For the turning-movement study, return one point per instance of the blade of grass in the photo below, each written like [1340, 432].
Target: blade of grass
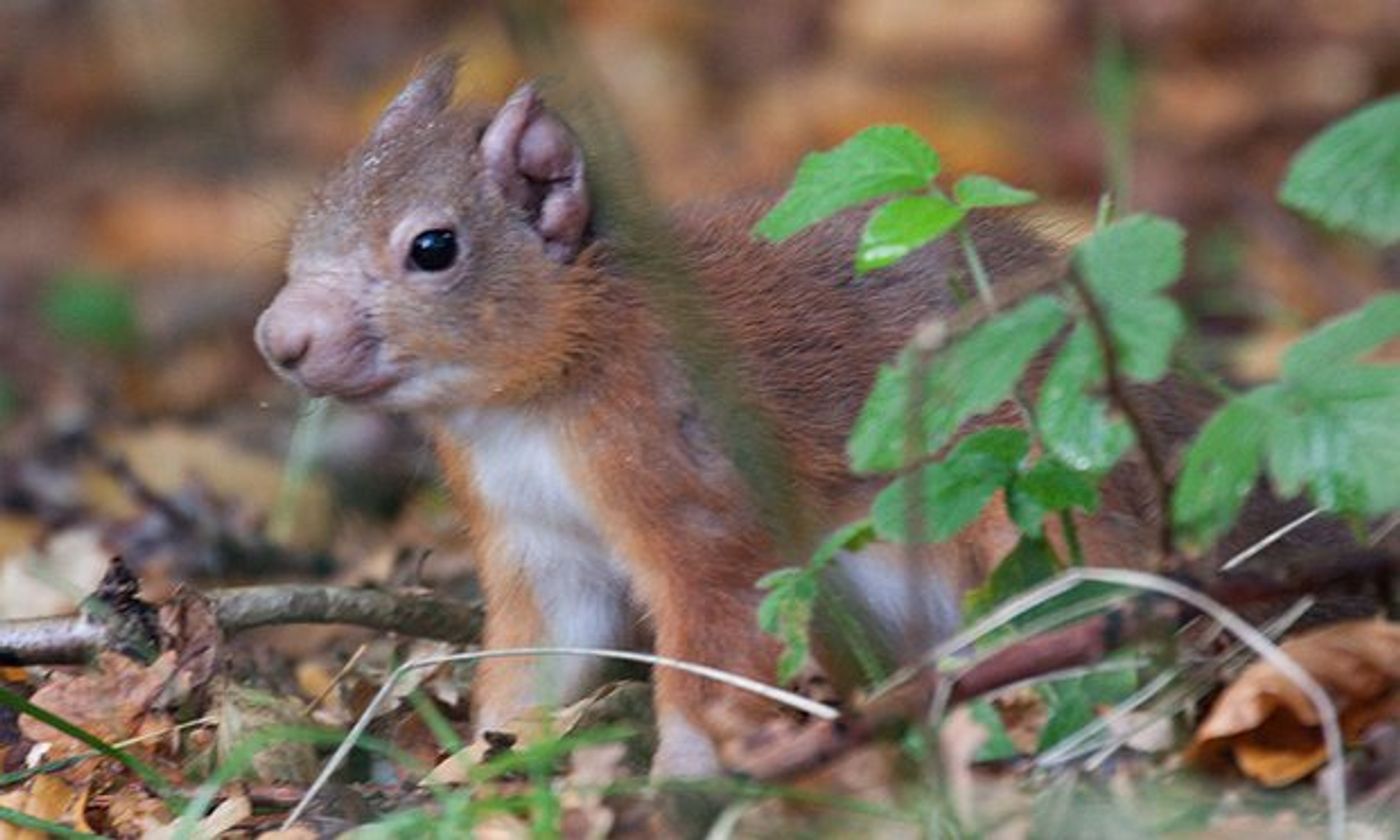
[49, 827]
[147, 774]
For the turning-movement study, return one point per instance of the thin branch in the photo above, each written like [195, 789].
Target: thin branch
[75, 639]
[424, 616]
[1118, 391]
[67, 640]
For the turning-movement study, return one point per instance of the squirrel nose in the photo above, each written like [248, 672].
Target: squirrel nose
[285, 341]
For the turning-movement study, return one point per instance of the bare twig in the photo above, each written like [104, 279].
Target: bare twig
[68, 640]
[78, 638]
[425, 616]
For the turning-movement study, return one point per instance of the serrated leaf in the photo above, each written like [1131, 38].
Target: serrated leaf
[954, 490]
[1075, 426]
[902, 226]
[1124, 266]
[878, 161]
[1339, 436]
[985, 191]
[1344, 339]
[1348, 177]
[1131, 258]
[974, 375]
[1220, 468]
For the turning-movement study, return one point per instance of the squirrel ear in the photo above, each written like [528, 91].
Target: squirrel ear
[537, 164]
[425, 96]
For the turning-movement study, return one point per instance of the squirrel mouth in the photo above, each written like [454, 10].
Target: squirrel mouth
[366, 391]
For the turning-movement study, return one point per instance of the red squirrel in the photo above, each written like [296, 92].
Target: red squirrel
[452, 269]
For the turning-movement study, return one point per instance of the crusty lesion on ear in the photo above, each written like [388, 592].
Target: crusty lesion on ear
[536, 162]
[425, 96]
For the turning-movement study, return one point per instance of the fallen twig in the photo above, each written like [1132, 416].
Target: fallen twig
[115, 619]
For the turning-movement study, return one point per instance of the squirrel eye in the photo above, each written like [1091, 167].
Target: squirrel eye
[433, 250]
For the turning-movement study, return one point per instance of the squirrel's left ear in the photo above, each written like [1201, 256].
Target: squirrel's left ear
[425, 96]
[536, 162]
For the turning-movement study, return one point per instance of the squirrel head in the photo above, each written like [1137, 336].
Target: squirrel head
[436, 267]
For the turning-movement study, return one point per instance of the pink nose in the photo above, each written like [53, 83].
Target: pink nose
[285, 338]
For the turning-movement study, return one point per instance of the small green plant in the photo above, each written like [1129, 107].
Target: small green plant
[90, 309]
[1327, 428]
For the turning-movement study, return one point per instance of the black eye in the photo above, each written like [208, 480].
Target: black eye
[433, 250]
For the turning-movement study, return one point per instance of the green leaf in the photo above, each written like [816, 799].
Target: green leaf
[998, 745]
[1348, 177]
[1144, 332]
[1125, 265]
[985, 191]
[1344, 339]
[1032, 562]
[903, 225]
[1074, 426]
[1220, 468]
[955, 489]
[1339, 436]
[850, 537]
[878, 161]
[1046, 488]
[1071, 702]
[974, 375]
[786, 611]
[90, 309]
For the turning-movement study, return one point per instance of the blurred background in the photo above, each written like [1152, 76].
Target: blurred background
[153, 153]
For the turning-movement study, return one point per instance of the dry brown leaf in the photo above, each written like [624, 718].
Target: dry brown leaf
[591, 770]
[243, 712]
[531, 726]
[1271, 728]
[132, 811]
[110, 701]
[220, 821]
[49, 798]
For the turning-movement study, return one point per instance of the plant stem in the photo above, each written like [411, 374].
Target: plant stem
[1118, 392]
[979, 271]
[1076, 552]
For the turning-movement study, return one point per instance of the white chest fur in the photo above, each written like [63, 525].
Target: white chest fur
[544, 525]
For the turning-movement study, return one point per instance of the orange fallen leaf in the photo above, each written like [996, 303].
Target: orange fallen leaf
[110, 701]
[1271, 728]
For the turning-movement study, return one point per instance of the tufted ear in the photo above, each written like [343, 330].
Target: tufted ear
[425, 96]
[537, 164]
